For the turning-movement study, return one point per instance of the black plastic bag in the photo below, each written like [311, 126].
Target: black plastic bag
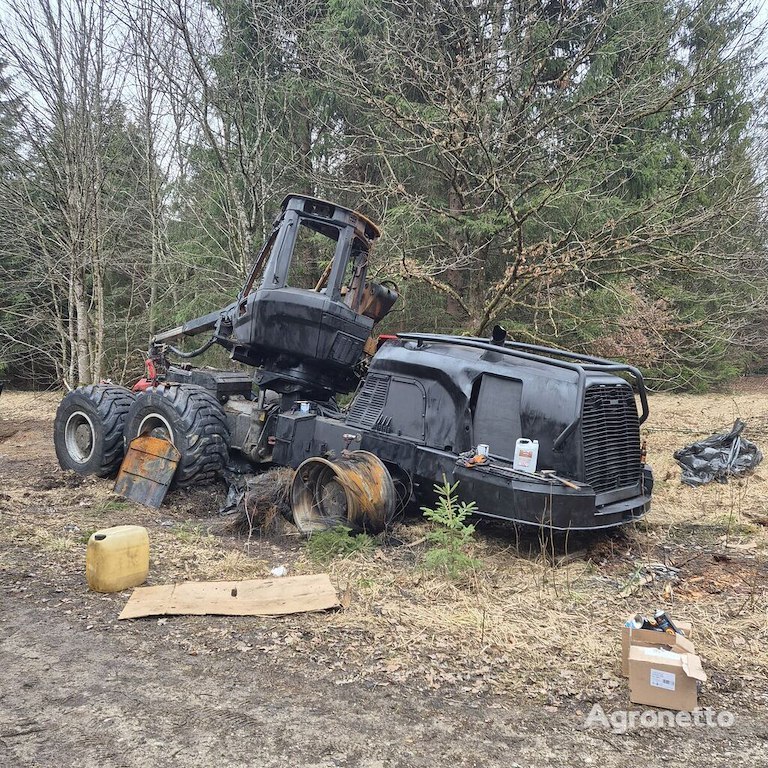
[718, 456]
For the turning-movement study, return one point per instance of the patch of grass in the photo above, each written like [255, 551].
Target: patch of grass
[235, 565]
[190, 533]
[114, 505]
[734, 527]
[53, 543]
[579, 598]
[451, 536]
[324, 546]
[85, 536]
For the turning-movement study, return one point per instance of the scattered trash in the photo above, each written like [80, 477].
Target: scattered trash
[663, 571]
[636, 582]
[279, 570]
[235, 493]
[662, 665]
[660, 622]
[255, 597]
[646, 573]
[717, 457]
[638, 636]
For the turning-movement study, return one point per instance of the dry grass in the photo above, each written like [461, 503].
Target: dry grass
[535, 621]
[45, 540]
[528, 615]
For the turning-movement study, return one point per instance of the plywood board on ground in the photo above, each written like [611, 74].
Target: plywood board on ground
[254, 597]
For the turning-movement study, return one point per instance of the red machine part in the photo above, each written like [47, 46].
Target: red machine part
[384, 337]
[148, 380]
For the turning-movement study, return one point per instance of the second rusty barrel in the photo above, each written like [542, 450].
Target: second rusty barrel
[355, 490]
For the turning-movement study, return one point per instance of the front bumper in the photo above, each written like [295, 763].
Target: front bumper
[551, 505]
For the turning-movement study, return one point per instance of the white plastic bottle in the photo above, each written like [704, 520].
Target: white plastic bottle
[526, 455]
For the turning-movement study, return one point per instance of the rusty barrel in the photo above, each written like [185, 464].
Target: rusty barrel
[355, 490]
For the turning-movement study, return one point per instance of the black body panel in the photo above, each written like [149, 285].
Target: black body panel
[307, 309]
[221, 384]
[428, 399]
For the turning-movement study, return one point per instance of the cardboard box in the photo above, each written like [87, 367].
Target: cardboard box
[664, 678]
[654, 638]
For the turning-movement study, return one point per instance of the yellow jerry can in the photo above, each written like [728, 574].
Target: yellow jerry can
[117, 558]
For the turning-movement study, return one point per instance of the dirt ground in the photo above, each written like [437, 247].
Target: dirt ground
[500, 670]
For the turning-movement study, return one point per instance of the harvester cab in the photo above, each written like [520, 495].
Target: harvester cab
[305, 314]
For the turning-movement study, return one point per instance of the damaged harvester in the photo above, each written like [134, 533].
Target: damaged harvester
[422, 403]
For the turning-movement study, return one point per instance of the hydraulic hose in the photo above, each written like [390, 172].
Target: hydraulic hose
[195, 352]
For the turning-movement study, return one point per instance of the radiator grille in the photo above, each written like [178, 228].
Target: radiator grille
[370, 401]
[611, 434]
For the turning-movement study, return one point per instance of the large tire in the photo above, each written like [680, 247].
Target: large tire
[193, 420]
[88, 429]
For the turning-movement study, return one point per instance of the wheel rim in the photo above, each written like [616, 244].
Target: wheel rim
[157, 426]
[331, 499]
[79, 437]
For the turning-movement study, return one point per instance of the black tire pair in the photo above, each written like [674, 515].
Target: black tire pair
[95, 423]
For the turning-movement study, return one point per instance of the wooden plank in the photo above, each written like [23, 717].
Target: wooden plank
[253, 597]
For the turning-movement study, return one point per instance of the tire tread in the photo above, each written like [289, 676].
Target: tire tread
[202, 417]
[111, 403]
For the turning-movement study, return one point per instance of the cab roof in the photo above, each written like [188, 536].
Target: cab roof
[334, 213]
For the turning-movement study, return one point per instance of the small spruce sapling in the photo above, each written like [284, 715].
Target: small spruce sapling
[451, 535]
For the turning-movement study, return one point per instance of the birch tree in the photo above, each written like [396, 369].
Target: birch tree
[67, 61]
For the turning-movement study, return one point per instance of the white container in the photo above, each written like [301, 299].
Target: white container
[526, 455]
[482, 449]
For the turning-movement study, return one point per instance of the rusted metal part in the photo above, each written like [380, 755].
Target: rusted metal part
[355, 490]
[321, 283]
[377, 300]
[147, 470]
[371, 346]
